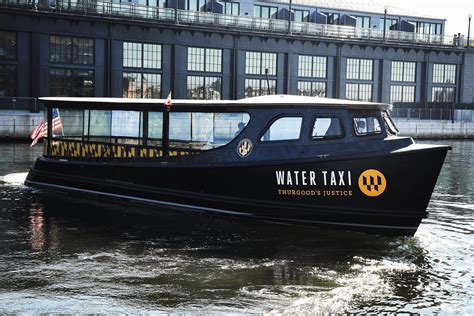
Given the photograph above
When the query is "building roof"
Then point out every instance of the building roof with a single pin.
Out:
(368, 6)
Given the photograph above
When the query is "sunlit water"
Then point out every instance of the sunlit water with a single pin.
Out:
(58, 256)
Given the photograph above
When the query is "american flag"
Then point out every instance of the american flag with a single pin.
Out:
(41, 130)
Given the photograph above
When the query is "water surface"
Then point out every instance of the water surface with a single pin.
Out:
(69, 257)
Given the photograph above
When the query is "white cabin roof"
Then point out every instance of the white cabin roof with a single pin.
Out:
(278, 99)
(263, 102)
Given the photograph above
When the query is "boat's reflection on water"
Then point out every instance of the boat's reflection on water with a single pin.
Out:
(36, 227)
(194, 262)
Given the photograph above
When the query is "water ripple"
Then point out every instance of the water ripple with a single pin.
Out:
(54, 261)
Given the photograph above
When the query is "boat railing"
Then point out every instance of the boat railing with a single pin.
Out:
(72, 148)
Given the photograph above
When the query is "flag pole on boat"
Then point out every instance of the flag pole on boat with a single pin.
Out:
(166, 123)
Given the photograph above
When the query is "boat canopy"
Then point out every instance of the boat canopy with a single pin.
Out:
(276, 101)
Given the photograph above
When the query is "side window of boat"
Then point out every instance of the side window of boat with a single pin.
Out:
(122, 126)
(204, 131)
(327, 128)
(68, 123)
(155, 128)
(284, 128)
(367, 125)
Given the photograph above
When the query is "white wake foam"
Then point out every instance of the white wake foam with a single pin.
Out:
(14, 178)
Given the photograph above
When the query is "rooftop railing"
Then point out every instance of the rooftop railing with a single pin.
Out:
(207, 19)
(454, 115)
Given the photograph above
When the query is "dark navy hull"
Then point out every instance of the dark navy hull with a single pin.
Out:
(322, 192)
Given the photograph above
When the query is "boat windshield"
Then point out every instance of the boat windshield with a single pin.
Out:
(389, 124)
(367, 125)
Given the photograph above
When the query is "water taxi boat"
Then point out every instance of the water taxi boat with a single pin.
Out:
(284, 159)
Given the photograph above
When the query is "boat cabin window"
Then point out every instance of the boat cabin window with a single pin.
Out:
(155, 128)
(284, 128)
(192, 131)
(389, 125)
(368, 125)
(97, 123)
(72, 123)
(121, 127)
(204, 131)
(327, 127)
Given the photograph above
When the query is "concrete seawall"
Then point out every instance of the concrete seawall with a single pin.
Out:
(19, 126)
(435, 129)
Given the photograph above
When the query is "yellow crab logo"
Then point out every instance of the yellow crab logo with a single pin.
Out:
(372, 182)
(244, 148)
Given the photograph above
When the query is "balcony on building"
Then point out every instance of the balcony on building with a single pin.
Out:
(342, 20)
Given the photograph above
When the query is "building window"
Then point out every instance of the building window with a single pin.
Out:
(442, 94)
(204, 59)
(141, 85)
(359, 69)
(152, 56)
(132, 55)
(401, 93)
(265, 12)
(152, 3)
(444, 73)
(390, 24)
(428, 28)
(331, 18)
(162, 3)
(312, 66)
(362, 21)
(140, 55)
(197, 5)
(71, 82)
(257, 87)
(204, 88)
(403, 71)
(205, 78)
(312, 88)
(257, 63)
(232, 8)
(7, 45)
(359, 91)
(144, 82)
(301, 15)
(71, 50)
(260, 66)
(7, 80)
